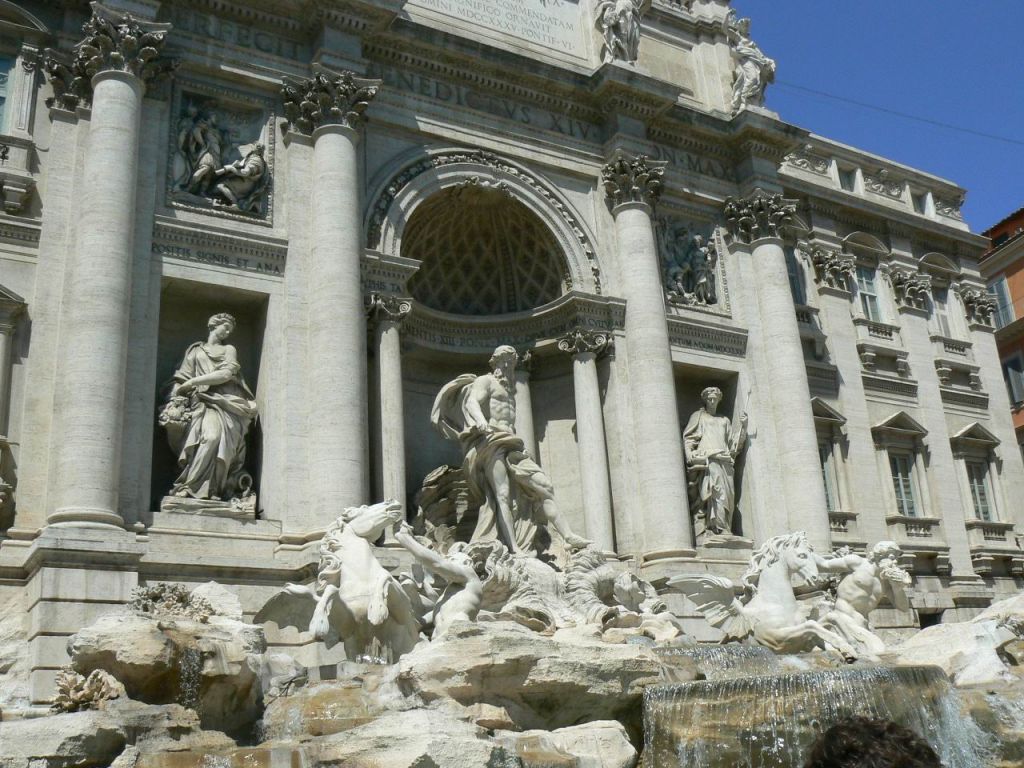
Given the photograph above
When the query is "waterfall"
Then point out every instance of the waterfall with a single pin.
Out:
(717, 662)
(190, 671)
(770, 721)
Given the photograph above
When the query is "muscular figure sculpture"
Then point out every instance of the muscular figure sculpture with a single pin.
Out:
(867, 581)
(461, 598)
(516, 494)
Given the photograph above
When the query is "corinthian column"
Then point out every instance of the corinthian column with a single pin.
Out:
(110, 68)
(524, 406)
(328, 107)
(757, 222)
(633, 185)
(585, 347)
(387, 313)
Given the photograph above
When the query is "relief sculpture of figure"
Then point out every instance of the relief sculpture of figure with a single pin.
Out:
(516, 495)
(207, 418)
(241, 183)
(754, 70)
(619, 23)
(866, 581)
(206, 144)
(711, 445)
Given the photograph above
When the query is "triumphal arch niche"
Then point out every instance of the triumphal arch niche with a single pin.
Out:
(495, 255)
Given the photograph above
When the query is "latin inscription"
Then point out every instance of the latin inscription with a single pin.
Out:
(264, 264)
(242, 35)
(554, 24)
(463, 96)
(684, 161)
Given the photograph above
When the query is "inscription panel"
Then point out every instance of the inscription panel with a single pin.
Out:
(556, 25)
(201, 247)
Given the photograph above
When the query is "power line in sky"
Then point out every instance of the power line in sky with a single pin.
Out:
(905, 115)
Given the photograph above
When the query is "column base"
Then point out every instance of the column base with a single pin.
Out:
(85, 517)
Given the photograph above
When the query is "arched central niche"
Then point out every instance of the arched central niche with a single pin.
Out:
(482, 252)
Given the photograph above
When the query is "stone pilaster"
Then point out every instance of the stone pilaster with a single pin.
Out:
(756, 223)
(328, 107)
(10, 310)
(109, 69)
(633, 185)
(524, 405)
(387, 313)
(585, 347)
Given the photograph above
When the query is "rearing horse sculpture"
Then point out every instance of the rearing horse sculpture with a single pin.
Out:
(769, 610)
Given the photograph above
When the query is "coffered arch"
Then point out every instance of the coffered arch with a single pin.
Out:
(418, 176)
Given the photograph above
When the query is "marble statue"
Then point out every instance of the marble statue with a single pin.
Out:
(768, 610)
(241, 183)
(207, 418)
(619, 23)
(463, 592)
(516, 495)
(204, 142)
(357, 600)
(866, 581)
(711, 444)
(754, 70)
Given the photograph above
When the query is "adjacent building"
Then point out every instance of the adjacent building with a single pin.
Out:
(1003, 267)
(381, 193)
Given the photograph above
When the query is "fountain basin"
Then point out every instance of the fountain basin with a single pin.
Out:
(770, 721)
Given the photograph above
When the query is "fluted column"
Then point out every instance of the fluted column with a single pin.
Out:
(10, 309)
(524, 406)
(111, 67)
(329, 107)
(585, 347)
(633, 186)
(387, 314)
(757, 221)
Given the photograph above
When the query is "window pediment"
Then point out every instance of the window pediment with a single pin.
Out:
(899, 426)
(976, 436)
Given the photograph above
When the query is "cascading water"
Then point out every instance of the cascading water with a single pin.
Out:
(190, 665)
(770, 721)
(717, 662)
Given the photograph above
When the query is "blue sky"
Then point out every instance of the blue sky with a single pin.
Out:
(945, 60)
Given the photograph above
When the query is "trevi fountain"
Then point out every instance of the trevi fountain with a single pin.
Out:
(455, 384)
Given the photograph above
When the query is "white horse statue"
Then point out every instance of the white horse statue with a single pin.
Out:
(355, 595)
(769, 610)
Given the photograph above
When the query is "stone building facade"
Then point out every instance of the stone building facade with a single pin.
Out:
(380, 193)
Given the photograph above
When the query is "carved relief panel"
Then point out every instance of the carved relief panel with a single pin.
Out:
(221, 153)
(692, 272)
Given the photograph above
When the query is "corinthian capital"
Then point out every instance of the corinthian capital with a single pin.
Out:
(113, 41)
(326, 98)
(759, 215)
(580, 340)
(387, 308)
(632, 180)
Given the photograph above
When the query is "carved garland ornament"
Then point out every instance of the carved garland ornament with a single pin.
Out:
(633, 180)
(910, 288)
(580, 340)
(806, 160)
(833, 269)
(113, 42)
(489, 159)
(327, 98)
(759, 215)
(881, 184)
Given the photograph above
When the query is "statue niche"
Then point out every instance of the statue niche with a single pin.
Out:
(219, 158)
(207, 416)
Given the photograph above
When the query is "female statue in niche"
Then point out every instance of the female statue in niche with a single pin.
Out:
(207, 418)
(711, 444)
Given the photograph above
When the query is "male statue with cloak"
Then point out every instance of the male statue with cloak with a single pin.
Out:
(515, 494)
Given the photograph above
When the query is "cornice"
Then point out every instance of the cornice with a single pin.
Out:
(879, 219)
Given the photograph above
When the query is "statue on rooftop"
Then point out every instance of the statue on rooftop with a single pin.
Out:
(515, 494)
(619, 23)
(754, 70)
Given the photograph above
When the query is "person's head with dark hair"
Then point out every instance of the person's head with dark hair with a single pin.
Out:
(860, 742)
